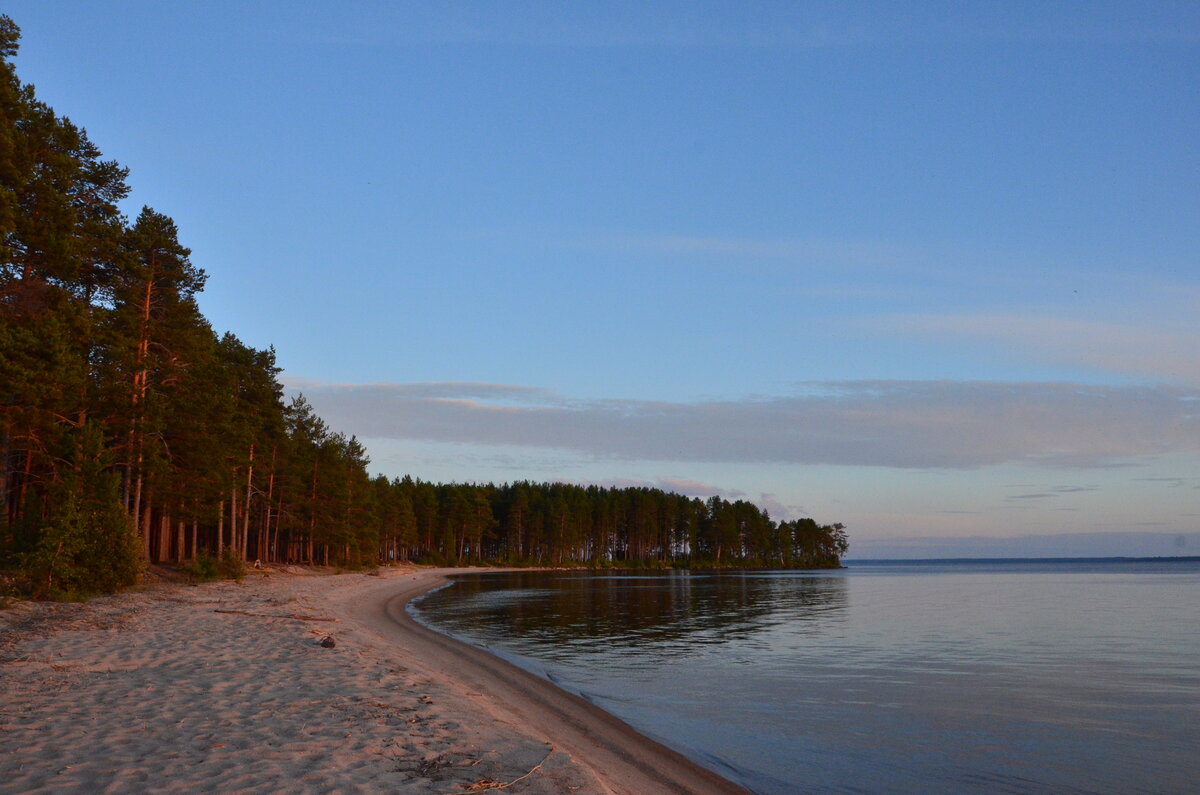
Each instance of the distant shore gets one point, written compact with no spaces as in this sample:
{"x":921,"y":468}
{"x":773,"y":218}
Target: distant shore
{"x":226,"y":686}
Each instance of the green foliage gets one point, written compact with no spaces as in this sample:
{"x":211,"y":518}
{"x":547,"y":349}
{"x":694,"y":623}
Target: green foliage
{"x":206,"y":568}
{"x":88,"y":545}
{"x":130,"y":430}
{"x":203,"y":568}
{"x":52,"y":569}
{"x":10,"y":36}
{"x":230,"y":566}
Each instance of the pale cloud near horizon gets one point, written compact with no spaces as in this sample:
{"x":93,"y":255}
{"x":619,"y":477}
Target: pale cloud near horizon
{"x":901,"y":424}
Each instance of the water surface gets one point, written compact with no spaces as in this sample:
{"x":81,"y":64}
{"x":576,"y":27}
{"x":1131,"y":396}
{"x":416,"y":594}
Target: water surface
{"x":998,"y":676}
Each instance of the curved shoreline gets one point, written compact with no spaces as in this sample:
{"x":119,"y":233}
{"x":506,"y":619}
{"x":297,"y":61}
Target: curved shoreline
{"x":623,"y":759}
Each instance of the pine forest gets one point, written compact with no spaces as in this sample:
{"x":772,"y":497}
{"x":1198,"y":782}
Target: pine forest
{"x":133,"y":433}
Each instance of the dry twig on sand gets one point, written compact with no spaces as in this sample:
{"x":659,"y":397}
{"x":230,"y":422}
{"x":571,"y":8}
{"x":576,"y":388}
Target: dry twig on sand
{"x":487,"y":784}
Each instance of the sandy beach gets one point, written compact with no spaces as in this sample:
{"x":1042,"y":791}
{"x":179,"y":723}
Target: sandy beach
{"x":226,"y":687}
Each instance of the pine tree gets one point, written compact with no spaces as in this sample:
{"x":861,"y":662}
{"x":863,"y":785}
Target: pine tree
{"x":124,"y":416}
{"x":87,"y":545}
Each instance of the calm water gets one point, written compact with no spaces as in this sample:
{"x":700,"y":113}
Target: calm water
{"x":944,"y":677}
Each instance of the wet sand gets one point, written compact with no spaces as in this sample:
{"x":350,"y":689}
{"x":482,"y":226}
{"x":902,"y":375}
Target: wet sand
{"x":620,"y":757}
{"x":225,"y":687}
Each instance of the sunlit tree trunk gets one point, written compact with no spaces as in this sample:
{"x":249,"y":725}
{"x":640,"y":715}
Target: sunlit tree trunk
{"x":246,"y":511}
{"x":233,"y":520}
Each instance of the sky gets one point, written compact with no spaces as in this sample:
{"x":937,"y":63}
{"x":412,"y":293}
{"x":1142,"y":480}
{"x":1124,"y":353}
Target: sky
{"x":931,"y":270}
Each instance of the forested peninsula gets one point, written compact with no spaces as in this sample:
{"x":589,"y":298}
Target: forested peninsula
{"x":132,"y":433}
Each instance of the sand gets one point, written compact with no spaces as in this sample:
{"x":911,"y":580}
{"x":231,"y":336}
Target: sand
{"x":159,"y":690}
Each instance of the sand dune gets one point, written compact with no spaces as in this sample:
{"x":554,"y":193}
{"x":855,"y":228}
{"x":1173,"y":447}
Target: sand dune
{"x":225,"y":687}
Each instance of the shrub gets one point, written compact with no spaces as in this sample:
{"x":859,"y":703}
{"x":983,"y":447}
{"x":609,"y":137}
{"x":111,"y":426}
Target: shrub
{"x":230,"y":566}
{"x":87,"y":547}
{"x":203,"y":568}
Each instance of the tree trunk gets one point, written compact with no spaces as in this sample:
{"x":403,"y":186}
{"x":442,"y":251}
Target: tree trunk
{"x":138,"y":396}
{"x":312,"y":517}
{"x":246,"y":511}
{"x":264,"y":541}
{"x":20,"y":511}
{"x":146,"y":512}
{"x":164,"y":538}
{"x":273,"y":535}
{"x":233,"y":523}
{"x":5,"y":512}
{"x":137,"y":512}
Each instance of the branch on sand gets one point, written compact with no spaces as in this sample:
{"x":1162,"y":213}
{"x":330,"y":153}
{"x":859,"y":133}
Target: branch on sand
{"x":487,"y":784}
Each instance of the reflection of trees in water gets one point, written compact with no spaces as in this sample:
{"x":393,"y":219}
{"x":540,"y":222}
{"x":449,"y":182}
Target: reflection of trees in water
{"x":665,"y":614}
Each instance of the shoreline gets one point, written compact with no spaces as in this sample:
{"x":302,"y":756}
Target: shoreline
{"x":225,"y":686}
{"x":624,"y":759}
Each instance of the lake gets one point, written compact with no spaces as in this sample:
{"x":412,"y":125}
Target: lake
{"x":932,"y":676}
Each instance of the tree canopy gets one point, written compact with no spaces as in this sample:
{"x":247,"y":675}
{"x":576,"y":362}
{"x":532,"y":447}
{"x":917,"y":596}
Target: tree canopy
{"x":131,"y":432}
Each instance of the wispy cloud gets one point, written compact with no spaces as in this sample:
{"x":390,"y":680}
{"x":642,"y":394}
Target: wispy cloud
{"x":937,"y":424}
{"x":1168,"y":350}
{"x":934,"y":270}
{"x":1173,"y":483}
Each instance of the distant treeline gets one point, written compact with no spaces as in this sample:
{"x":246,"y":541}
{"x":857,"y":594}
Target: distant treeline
{"x":559,"y":523}
{"x":131,"y":432}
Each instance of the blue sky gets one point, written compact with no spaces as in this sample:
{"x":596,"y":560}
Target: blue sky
{"x":931,"y":270}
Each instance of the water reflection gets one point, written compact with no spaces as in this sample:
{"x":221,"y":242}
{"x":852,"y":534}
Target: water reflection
{"x":995,"y":676}
{"x":646,"y":615}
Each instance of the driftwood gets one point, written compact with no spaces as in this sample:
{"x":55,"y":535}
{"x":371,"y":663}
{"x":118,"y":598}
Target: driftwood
{"x":489,"y":784}
{"x":277,"y":615}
